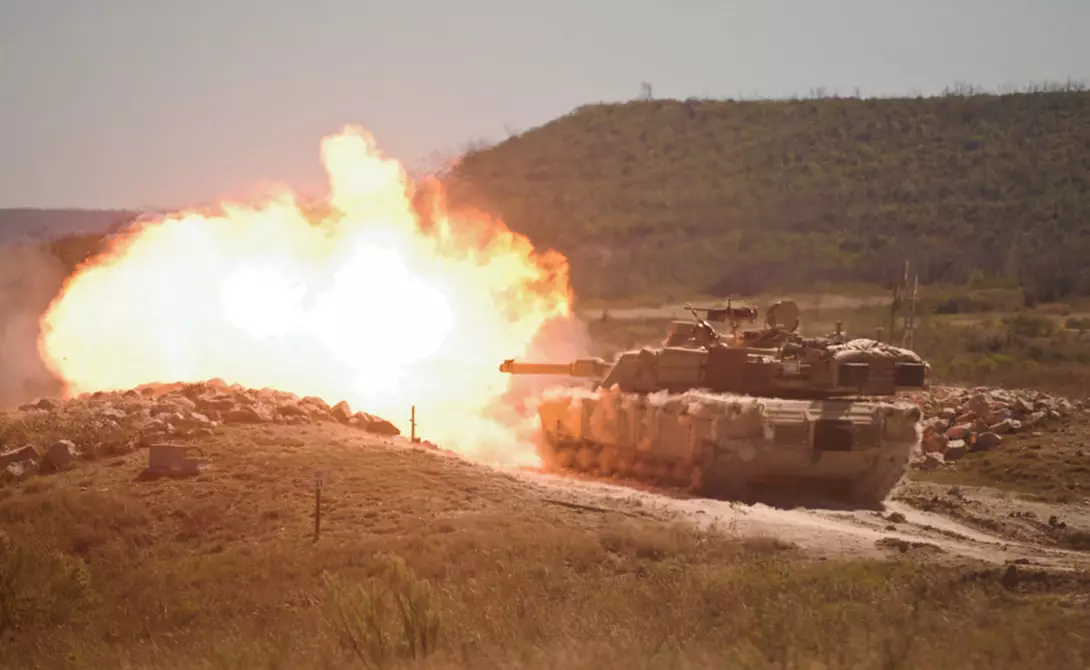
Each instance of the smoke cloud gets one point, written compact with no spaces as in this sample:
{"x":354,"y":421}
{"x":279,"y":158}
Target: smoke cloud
{"x":29,"y":279}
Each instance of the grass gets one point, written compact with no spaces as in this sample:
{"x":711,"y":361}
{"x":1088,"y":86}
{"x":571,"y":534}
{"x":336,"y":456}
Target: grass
{"x":426,"y":561}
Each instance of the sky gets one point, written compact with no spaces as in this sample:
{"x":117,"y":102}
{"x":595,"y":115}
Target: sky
{"x":165,"y":103}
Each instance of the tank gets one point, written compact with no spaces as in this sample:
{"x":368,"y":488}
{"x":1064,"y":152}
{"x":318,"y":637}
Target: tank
{"x":741,"y":413}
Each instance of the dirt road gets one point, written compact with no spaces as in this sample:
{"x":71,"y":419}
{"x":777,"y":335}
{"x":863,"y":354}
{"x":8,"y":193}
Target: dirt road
{"x":980,"y":524}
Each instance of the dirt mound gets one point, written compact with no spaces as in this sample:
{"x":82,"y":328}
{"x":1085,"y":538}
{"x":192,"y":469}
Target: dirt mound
{"x":49,"y":434}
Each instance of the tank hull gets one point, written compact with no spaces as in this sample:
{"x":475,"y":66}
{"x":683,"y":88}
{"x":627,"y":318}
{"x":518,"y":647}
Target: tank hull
{"x":733,"y":446}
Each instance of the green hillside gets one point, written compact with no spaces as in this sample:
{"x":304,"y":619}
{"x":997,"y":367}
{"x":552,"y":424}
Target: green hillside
{"x":743,"y":196}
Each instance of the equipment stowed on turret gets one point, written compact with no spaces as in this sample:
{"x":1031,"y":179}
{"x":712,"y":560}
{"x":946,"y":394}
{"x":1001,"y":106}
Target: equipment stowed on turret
{"x":720,"y":413}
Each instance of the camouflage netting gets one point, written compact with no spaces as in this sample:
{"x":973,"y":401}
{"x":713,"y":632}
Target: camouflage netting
{"x":861,"y":350}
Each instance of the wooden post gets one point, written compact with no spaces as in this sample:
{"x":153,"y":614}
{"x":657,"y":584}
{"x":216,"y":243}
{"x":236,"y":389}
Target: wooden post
{"x":412,"y":425}
{"x":893,"y":311}
{"x":908,"y":339}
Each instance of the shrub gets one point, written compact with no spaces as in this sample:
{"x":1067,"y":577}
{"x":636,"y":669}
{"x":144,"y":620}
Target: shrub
{"x":1029,"y":325}
{"x":390,"y":615}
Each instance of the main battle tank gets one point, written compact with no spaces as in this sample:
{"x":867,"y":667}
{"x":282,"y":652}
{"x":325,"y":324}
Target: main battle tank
{"x":726,"y":415}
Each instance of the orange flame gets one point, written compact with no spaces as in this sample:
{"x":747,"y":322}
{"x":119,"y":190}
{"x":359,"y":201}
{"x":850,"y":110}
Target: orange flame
{"x":364,"y":303}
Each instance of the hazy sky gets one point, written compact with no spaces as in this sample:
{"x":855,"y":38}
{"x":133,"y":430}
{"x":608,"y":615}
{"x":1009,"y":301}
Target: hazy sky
{"x":117,"y":103}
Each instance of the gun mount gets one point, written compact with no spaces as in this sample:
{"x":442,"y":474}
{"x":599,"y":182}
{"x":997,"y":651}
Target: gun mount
{"x":719,"y":413}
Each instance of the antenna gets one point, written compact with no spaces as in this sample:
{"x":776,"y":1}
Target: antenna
{"x":908,"y":337}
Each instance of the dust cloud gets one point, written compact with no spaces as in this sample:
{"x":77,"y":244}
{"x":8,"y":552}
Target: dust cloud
{"x":559,"y":340}
{"x":29,"y":279}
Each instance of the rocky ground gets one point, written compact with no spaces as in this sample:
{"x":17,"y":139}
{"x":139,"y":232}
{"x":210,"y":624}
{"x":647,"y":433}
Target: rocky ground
{"x":960,"y":420}
{"x":49,"y":435}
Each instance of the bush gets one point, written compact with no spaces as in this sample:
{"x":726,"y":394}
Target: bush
{"x":1029,"y":325}
{"x":392,"y":614}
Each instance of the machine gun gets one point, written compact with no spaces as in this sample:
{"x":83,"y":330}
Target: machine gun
{"x":734,"y":315}
{"x":730,"y":314}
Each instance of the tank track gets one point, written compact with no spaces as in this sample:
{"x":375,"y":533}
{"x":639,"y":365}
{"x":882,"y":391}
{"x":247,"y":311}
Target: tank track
{"x":609,"y":462}
{"x":708,"y":474}
{"x":585,"y":458}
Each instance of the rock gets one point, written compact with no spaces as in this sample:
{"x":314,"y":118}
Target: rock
{"x":292,"y":409}
{"x":1035,"y":418}
{"x":219,"y":403}
{"x":930,"y":461}
{"x":960,"y":431}
{"x":955,"y":450}
{"x":112,"y":413}
{"x":184,"y":402}
{"x":935,"y":425}
{"x":21,"y":470}
{"x":23,"y":454}
{"x":987,"y":441}
{"x":341,"y":412}
{"x":60,"y":456}
{"x":1006,"y":426}
{"x":45,"y":404}
{"x":375,"y":424}
{"x":978,"y":404}
{"x":248,"y":414}
{"x":316,"y":401}
{"x":997,"y":416}
{"x":966,"y":417}
{"x":193,"y":421}
{"x":934,"y":442}
{"x":315,"y":407}
{"x":952,"y":413}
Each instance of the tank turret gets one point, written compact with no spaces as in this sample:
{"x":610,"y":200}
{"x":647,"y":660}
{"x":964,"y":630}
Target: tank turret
{"x":723,"y":411}
{"x":773,"y":361}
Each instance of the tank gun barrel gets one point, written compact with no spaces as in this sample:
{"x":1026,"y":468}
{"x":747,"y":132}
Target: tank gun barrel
{"x":580,"y":367}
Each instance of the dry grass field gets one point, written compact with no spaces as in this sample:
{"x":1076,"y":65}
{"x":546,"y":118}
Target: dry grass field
{"x":425,"y":560}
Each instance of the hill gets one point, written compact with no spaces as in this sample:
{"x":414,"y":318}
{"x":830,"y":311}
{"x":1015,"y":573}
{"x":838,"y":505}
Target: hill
{"x":658,"y":197}
{"x":743,"y":196}
{"x":36,"y":225}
